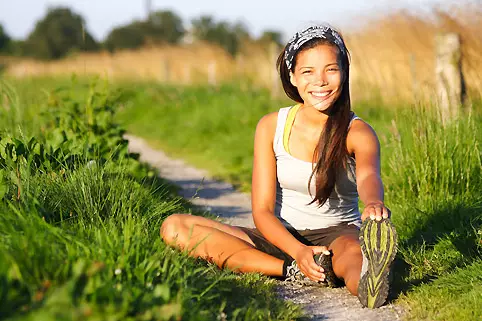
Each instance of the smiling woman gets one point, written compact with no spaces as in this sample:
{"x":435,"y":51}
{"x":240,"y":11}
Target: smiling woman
{"x":308,"y":233}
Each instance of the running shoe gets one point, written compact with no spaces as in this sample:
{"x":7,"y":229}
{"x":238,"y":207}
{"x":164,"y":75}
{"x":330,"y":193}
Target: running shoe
{"x":378,"y":241}
{"x":294,"y":275}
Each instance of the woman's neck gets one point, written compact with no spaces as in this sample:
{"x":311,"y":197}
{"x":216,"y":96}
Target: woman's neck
{"x":312,"y":116}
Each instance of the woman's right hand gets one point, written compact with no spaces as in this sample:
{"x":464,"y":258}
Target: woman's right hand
{"x":306,"y":263}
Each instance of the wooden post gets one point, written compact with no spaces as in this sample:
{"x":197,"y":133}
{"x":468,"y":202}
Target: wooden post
{"x":187,"y":74}
{"x":449,"y":77}
{"x":166,"y":71}
{"x":413,"y":72}
{"x":275,"y":81}
{"x":212,"y":73}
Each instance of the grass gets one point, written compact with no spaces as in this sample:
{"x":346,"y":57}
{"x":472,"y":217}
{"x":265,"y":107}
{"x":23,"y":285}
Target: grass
{"x":431,"y":174}
{"x":80,"y":240}
{"x":91,"y":250}
{"x":169,"y":113}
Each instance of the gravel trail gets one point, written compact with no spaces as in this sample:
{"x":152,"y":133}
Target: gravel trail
{"x":235,"y":208}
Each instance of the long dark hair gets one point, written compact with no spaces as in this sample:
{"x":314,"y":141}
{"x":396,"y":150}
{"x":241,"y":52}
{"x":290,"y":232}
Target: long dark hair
{"x":331,"y":153}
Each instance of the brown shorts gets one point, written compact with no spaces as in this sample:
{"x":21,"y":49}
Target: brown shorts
{"x":317,"y":237}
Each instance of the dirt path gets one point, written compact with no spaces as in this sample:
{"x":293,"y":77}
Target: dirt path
{"x":235,"y":208}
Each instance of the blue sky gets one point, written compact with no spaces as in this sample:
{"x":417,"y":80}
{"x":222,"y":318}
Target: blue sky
{"x":18,"y":17}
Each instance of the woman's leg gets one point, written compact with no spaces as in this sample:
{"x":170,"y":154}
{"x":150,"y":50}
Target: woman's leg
{"x":347,"y":260}
{"x":225,"y":245}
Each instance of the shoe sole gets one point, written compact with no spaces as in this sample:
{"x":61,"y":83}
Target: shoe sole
{"x":378,"y":241}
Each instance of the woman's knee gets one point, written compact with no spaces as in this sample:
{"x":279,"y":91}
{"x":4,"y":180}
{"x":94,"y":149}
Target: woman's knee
{"x":172,"y":227}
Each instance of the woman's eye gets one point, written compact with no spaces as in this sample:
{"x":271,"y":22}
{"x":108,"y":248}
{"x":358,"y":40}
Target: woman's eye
{"x":333,"y":69}
{"x":306,"y":72}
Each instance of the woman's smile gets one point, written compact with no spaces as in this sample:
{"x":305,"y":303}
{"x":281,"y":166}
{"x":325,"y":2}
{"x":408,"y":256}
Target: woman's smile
{"x":322,"y":95}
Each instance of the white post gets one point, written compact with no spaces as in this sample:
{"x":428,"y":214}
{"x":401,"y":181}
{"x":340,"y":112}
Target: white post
{"x":166,"y":70}
{"x":449,"y":77}
{"x":212,"y":73}
{"x":275,"y":81}
{"x":413,"y":72}
{"x":187,"y":74}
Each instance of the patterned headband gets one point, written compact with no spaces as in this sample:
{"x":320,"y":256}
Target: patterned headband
{"x":306,"y":35}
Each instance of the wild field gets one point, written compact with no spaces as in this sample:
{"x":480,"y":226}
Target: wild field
{"x":392,"y":55}
{"x":80,"y":215}
{"x":431,"y":175}
{"x":80,"y":218}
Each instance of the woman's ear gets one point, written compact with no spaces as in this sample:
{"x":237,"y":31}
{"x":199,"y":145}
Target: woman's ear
{"x":292,"y":79}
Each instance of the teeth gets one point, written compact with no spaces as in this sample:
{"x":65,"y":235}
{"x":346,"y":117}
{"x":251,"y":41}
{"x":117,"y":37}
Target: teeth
{"x":323,"y":94}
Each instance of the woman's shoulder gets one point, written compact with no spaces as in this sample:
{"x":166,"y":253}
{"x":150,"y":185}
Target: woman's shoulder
{"x":359,"y":127}
{"x":268,"y":122}
{"x":360,"y":133}
{"x":271,"y":119}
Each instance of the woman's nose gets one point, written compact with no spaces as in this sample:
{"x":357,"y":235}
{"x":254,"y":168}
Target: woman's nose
{"x":321,"y":79}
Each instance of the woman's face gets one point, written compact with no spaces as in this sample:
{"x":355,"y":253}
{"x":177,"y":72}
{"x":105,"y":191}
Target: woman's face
{"x":317,"y":76}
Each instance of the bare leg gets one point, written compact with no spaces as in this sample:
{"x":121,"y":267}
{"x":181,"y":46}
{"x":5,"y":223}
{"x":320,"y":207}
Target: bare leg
{"x":225,"y":245}
{"x":347,"y":261}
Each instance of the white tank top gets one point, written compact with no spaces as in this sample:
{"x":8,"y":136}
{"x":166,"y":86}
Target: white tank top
{"x":292,"y":196}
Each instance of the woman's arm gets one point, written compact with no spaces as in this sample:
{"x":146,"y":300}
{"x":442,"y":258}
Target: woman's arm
{"x":363,"y":143}
{"x":263,"y":198}
{"x":263,"y":194}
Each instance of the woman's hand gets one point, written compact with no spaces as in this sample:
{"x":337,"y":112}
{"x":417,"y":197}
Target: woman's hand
{"x":375,"y":211}
{"x":306,"y":263}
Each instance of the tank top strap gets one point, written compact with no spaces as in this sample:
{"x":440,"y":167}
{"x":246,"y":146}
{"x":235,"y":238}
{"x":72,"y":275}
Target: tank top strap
{"x":280,"y":125}
{"x":353,"y":117}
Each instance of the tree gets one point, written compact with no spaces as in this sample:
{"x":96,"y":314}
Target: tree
{"x":4,"y":40}
{"x":125,"y":37}
{"x":160,"y":27}
{"x":271,"y":36}
{"x":164,"y":26}
{"x":222,"y":33}
{"x":60,"y":32}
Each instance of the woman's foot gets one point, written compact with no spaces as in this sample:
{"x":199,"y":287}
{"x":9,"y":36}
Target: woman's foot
{"x":294,"y":275}
{"x":378,"y":241}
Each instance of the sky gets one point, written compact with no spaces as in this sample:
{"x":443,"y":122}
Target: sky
{"x":18,"y":17}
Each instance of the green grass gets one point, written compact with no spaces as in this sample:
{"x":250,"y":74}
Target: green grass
{"x":431,"y":175}
{"x":456,"y":296}
{"x":79,"y":223}
{"x":86,"y":245}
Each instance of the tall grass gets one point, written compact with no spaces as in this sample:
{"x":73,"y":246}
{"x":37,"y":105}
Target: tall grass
{"x":433,"y":184}
{"x":395,"y":53}
{"x":226,"y":115}
{"x":81,"y":241}
{"x":431,"y":174}
{"x":392,"y":54}
{"x":90,"y":249}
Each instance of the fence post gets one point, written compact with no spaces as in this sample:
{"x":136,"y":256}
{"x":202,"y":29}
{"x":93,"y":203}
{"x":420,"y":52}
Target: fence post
{"x":413,"y":72}
{"x":166,"y":70}
{"x":187,"y":74}
{"x":212,"y":73}
{"x":275,"y":82}
{"x":449,"y":77}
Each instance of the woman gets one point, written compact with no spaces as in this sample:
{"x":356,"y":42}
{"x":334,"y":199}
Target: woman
{"x":305,"y":185}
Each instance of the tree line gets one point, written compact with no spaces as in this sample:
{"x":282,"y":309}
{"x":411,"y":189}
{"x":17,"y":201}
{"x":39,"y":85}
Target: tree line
{"x":62,"y":32}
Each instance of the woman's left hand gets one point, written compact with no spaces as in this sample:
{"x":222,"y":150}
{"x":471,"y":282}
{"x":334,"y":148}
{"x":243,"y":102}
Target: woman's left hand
{"x":375,"y":211}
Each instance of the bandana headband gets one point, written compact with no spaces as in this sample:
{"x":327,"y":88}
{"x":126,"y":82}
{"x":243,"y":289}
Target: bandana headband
{"x":306,"y":35}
